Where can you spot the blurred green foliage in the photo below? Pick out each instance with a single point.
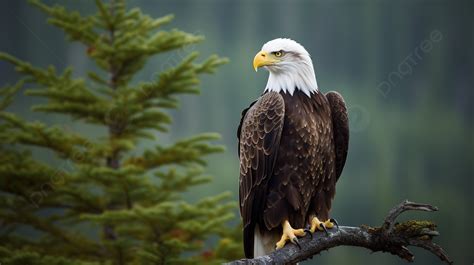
(107, 201)
(411, 139)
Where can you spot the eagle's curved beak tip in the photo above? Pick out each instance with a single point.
(259, 60)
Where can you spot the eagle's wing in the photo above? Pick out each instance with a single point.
(340, 123)
(259, 139)
(242, 116)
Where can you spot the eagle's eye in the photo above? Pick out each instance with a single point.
(278, 53)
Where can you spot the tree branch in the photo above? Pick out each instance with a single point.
(391, 237)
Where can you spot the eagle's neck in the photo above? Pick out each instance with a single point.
(293, 76)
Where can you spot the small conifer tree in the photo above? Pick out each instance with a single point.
(109, 202)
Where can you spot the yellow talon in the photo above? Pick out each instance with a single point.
(328, 224)
(289, 234)
(316, 224)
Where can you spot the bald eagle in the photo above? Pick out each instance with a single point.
(293, 144)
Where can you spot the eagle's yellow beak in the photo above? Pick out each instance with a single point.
(263, 58)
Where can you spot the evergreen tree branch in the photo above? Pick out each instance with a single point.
(173, 180)
(77, 27)
(32, 185)
(76, 241)
(7, 93)
(183, 152)
(36, 75)
(35, 255)
(180, 79)
(67, 145)
(391, 237)
(65, 95)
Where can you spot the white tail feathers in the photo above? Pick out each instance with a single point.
(263, 244)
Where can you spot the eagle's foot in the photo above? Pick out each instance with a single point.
(307, 230)
(322, 226)
(289, 234)
(334, 221)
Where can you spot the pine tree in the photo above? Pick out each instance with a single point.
(112, 203)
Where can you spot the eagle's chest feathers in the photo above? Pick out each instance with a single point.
(307, 120)
(306, 159)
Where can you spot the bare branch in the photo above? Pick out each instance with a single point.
(402, 207)
(391, 237)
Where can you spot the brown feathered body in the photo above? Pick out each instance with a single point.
(292, 149)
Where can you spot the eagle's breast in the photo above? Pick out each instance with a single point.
(303, 178)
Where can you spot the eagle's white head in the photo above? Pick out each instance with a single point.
(290, 67)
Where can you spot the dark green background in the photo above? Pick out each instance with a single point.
(411, 137)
